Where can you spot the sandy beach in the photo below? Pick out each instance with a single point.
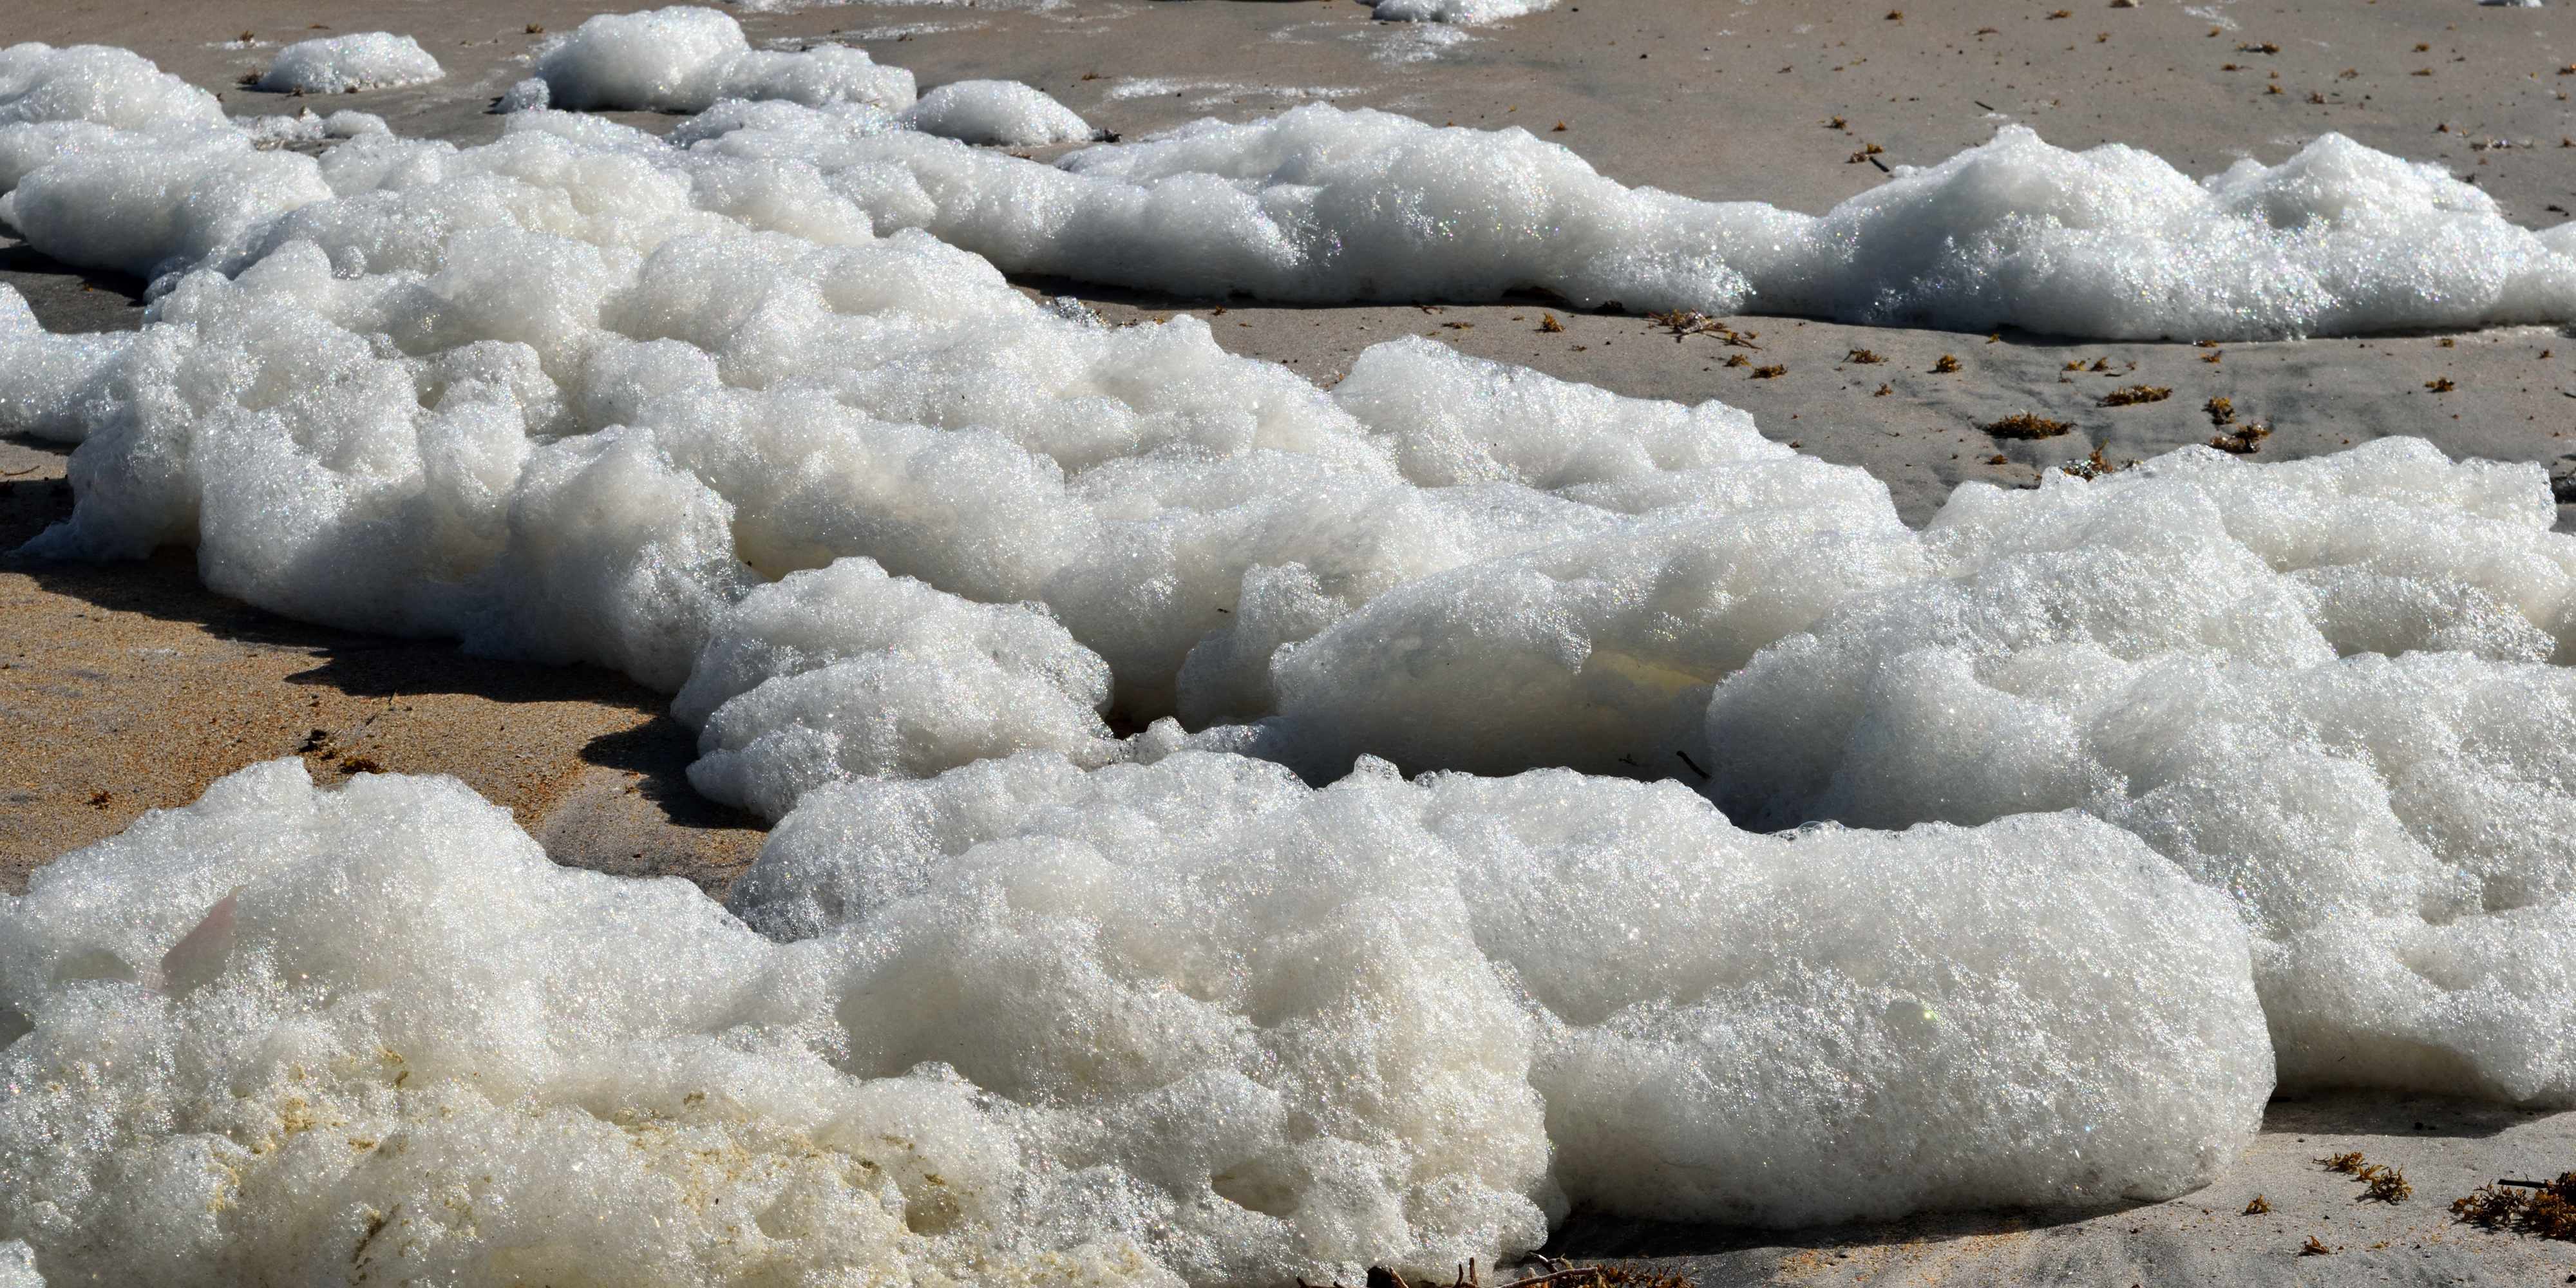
(129, 686)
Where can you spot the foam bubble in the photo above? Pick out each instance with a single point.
(528, 95)
(306, 127)
(1458, 11)
(1188, 1022)
(154, 203)
(845, 671)
(1622, 1035)
(996, 112)
(1595, 649)
(2114, 242)
(51, 382)
(97, 84)
(340, 64)
(2344, 722)
(683, 58)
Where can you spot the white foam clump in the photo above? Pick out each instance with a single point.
(2114, 242)
(844, 671)
(1415, 43)
(149, 202)
(2159, 648)
(50, 382)
(1007, 113)
(1213, 92)
(307, 127)
(1325, 204)
(1321, 204)
(1136, 481)
(18, 1266)
(2110, 242)
(360, 61)
(1596, 650)
(1192, 1022)
(1317, 204)
(526, 95)
(684, 58)
(99, 85)
(1739, 961)
(57, 103)
(2319, 686)
(324, 1051)
(1458, 11)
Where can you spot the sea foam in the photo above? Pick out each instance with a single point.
(338, 64)
(2105, 806)
(1186, 1022)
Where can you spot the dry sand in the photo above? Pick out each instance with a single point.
(128, 687)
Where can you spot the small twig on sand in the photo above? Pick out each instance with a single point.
(1572, 1274)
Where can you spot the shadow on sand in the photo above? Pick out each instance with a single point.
(166, 587)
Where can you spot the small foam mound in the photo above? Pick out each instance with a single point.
(1187, 1022)
(1670, 1061)
(64, 103)
(306, 127)
(1594, 649)
(2317, 686)
(684, 58)
(97, 84)
(528, 95)
(1321, 203)
(1457, 11)
(1004, 113)
(342, 64)
(326, 1051)
(2114, 242)
(1597, 653)
(844, 671)
(49, 382)
(154, 203)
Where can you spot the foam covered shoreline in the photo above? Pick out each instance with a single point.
(2102, 808)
